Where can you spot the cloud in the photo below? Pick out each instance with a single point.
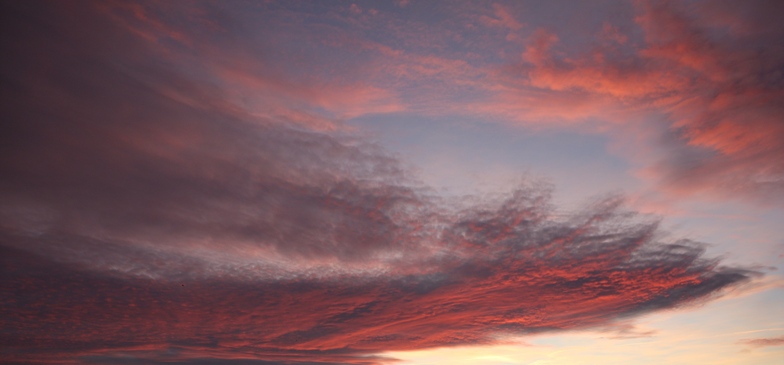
(711, 75)
(149, 216)
(625, 330)
(506, 271)
(503, 18)
(730, 117)
(612, 33)
(707, 73)
(763, 342)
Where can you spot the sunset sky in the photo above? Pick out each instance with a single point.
(395, 182)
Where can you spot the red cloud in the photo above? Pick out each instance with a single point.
(507, 270)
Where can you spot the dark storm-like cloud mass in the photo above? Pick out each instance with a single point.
(148, 215)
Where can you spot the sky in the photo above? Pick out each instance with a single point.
(393, 182)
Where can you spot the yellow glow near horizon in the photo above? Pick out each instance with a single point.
(710, 334)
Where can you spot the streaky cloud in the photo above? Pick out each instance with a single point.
(763, 342)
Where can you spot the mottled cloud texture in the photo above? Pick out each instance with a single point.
(164, 200)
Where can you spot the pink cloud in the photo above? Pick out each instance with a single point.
(149, 215)
(261, 85)
(612, 33)
(711, 77)
(503, 18)
(719, 96)
(763, 342)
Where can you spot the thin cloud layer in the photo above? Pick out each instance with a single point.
(763, 342)
(150, 214)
